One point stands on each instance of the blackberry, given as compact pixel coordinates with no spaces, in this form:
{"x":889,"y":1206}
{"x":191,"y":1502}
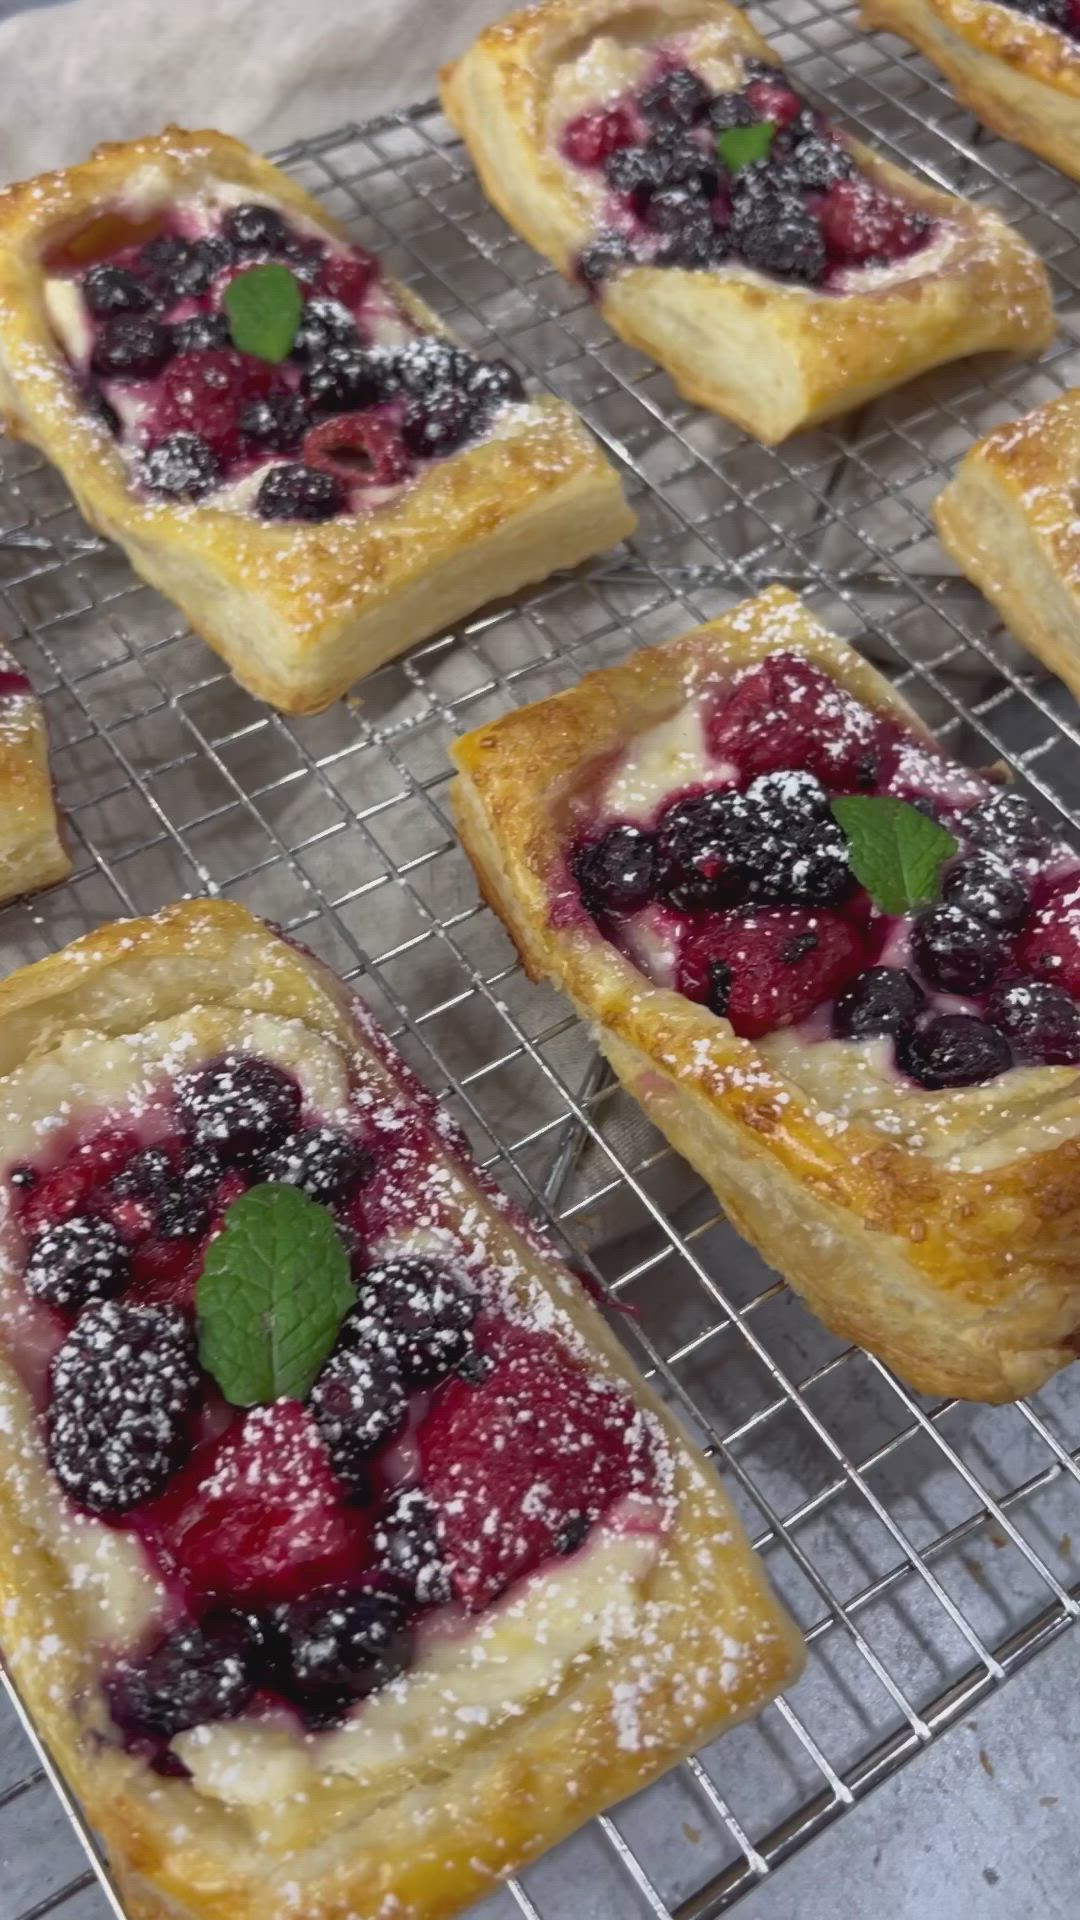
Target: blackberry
{"x":359,"y":1402}
{"x":324,"y":324}
{"x":305,"y":256}
{"x":197,"y":267}
{"x":123,"y":1385}
{"x":299,"y":493}
{"x":1040,"y":1021}
{"x":163,"y":252}
{"x":731,"y":110}
{"x":696,"y":244}
{"x":438,"y":426}
{"x":679,"y":95}
{"x":182,"y":465}
{"x":608,"y":252}
{"x":721,"y":978}
{"x":810,"y":869}
{"x":407,"y":1547}
{"x":239,"y":1107}
{"x":1051,"y":13}
{"x":102,"y":409}
{"x":256,"y":229}
{"x":493,"y":382}
{"x":955,"y":951}
{"x":787,"y":802}
{"x":952,"y":1050}
{"x":879,"y":1000}
{"x":146,"y":1173}
{"x":277,"y":420}
{"x":982,"y":887}
{"x":615,"y":874}
{"x":76,"y":1261}
{"x":777,"y":235}
{"x":132,"y":346}
{"x":1007,"y":823}
{"x":202,"y":333}
{"x":323,"y":1163}
{"x":338,"y":1647}
{"x":115,"y":290}
{"x":196,"y":1674}
{"x":705,"y":851}
{"x":343,"y":379}
{"x":636,"y":170}
{"x":819,"y":163}
{"x":429,"y":365}
{"x":419,"y":1311}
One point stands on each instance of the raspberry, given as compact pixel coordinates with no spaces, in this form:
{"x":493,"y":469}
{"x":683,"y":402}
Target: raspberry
{"x":861,"y":224}
{"x":205,"y":393}
{"x":770,"y":968}
{"x":346,"y":277}
{"x":1049,"y":946}
{"x":787,"y":714}
{"x":588,"y":139}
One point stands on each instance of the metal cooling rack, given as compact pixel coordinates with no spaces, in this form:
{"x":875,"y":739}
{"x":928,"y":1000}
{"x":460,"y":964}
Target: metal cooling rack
{"x":925,"y":1547}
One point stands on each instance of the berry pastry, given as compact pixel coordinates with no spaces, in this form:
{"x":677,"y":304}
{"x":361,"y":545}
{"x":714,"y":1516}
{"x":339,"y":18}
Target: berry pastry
{"x":1008,"y":518}
{"x":1015,"y":63}
{"x":780,"y":271}
{"x":32,"y":853}
{"x":281,"y":438}
{"x":840,"y":972}
{"x":343,"y":1560}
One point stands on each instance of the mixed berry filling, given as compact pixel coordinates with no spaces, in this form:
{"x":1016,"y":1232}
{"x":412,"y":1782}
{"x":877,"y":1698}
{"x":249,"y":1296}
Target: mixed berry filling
{"x":446,"y":1447}
{"x":353,"y":400}
{"x":1063,"y":14}
{"x":754,"y":177}
{"x":740,"y":890}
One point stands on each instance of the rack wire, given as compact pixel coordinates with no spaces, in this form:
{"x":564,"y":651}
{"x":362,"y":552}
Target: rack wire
{"x":926,"y":1547}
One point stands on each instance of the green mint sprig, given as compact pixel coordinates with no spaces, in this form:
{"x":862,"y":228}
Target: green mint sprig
{"x":263,"y":308}
{"x":739,"y":147}
{"x":896,"y":851}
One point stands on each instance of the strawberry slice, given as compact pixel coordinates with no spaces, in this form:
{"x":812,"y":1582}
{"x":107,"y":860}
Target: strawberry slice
{"x":1050,"y":944}
{"x":520,"y":1467}
{"x":259,"y":1514}
{"x":588,"y":138}
{"x":788,"y":713}
{"x":769,"y":968}
{"x":862,"y":224}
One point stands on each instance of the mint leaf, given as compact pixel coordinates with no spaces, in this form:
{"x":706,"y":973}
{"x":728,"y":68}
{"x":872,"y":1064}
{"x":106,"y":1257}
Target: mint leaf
{"x":896,"y":851}
{"x":739,"y":147}
{"x":271,"y":1297}
{"x":264,"y":306}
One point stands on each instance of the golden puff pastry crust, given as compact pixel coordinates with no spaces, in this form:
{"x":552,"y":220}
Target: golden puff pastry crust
{"x":579,"y":1685}
{"x":32,"y":851}
{"x":1021,"y":76}
{"x":939,"y":1230}
{"x":1008,"y":518}
{"x":773,"y":357}
{"x":297,"y":611}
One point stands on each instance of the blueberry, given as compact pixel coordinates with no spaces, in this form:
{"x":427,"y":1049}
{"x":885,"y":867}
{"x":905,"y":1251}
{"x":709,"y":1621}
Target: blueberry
{"x":115,"y":290}
{"x":337,"y":1647}
{"x":615,"y":874}
{"x":407,"y":1547}
{"x":201,"y":333}
{"x":322,"y":1162}
{"x":954,"y":951}
{"x":182,"y":465}
{"x":982,"y":887}
{"x":239,"y":1107}
{"x":419,"y":1311}
{"x":324,"y":324}
{"x":788,"y":801}
{"x":705,"y":849}
{"x":879,"y":1000}
{"x":952,"y":1050}
{"x":778,"y":235}
{"x":164,"y":252}
{"x":196,"y":1674}
{"x":732,"y":110}
{"x":359,"y":1401}
{"x":343,"y":379}
{"x":1040,"y":1021}
{"x":1006,"y":823}
{"x":608,"y":252}
{"x":678,"y":95}
{"x":256,"y":229}
{"x":132,"y":345}
{"x":819,"y":163}
{"x":123,"y":1385}
{"x":299,"y":493}
{"x":76,"y":1261}
{"x":277,"y":420}
{"x":432,"y":428}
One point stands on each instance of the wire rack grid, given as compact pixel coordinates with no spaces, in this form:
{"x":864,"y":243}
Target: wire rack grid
{"x":925,"y":1547}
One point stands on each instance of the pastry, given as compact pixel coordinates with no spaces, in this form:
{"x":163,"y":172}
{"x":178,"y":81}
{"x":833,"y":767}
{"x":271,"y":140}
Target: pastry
{"x":1015,"y":63}
{"x":353,"y":1592}
{"x":32,"y":853}
{"x":349,"y":482}
{"x":838,"y":971}
{"x":780,"y":271}
{"x":1008,"y":518}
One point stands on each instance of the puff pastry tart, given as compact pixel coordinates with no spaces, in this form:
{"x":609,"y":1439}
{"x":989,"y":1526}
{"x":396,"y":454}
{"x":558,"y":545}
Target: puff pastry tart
{"x":1008,"y":518}
{"x":1015,"y":63}
{"x":32,"y":853}
{"x":780,"y":271}
{"x":878,"y":1080}
{"x":299,"y":456}
{"x":343,"y":1559}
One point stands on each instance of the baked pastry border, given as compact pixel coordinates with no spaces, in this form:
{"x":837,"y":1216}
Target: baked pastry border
{"x":804,"y":356}
{"x":32,"y":850}
{"x":298,"y":612}
{"x":967,"y":1282}
{"x":527,"y":1782}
